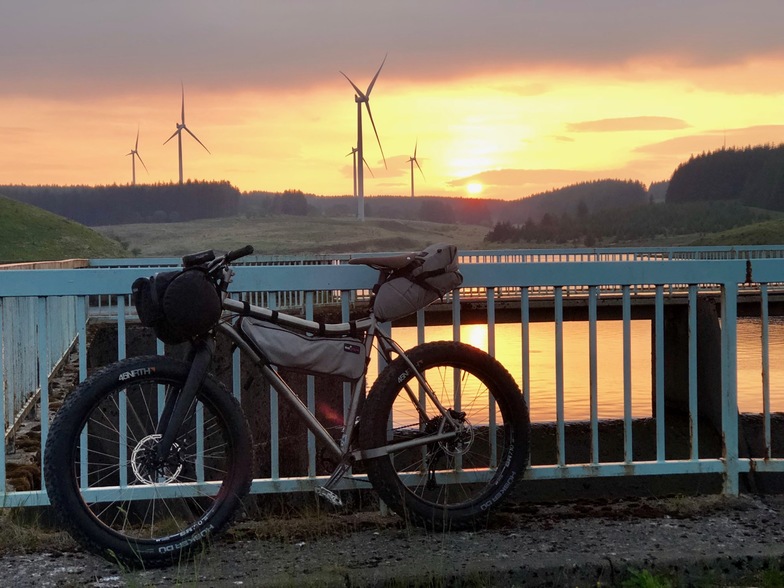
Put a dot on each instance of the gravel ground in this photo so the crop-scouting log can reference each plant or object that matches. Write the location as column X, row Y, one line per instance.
column 706, row 541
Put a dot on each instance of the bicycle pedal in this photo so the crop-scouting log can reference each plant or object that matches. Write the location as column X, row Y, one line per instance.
column 329, row 495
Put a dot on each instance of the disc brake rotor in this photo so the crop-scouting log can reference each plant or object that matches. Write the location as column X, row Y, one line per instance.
column 146, row 466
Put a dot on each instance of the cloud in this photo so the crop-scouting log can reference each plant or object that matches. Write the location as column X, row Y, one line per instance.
column 100, row 47
column 710, row 141
column 632, row 123
column 528, row 177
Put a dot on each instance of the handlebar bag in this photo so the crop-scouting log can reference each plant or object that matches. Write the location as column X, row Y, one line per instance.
column 178, row 305
column 433, row 274
column 340, row 356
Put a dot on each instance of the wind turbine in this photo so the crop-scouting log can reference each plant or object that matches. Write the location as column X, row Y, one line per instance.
column 364, row 98
column 180, row 127
column 412, row 160
column 354, row 153
column 134, row 153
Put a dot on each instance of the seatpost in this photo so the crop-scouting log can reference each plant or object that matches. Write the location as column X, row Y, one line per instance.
column 178, row 404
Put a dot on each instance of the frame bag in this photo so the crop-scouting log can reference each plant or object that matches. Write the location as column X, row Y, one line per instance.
column 178, row 305
column 433, row 275
column 340, row 356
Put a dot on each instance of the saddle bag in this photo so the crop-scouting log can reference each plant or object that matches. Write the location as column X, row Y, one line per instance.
column 434, row 273
column 178, row 305
column 342, row 356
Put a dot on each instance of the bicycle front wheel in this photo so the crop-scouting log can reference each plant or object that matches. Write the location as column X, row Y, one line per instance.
column 111, row 490
column 451, row 482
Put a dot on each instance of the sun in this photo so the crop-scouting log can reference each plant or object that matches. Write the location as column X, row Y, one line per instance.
column 474, row 188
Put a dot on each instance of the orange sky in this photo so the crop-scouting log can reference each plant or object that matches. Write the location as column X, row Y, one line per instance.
column 516, row 97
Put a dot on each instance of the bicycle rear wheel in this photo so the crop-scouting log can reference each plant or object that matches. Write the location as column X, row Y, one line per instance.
column 106, row 483
column 449, row 483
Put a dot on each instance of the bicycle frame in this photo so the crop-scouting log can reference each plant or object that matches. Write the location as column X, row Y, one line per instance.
column 345, row 451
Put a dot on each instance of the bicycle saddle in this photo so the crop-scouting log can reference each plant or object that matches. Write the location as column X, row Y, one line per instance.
column 391, row 262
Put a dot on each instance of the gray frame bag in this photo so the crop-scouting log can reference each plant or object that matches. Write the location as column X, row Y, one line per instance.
column 433, row 274
column 343, row 357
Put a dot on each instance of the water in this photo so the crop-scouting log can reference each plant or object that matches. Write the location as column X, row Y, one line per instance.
column 610, row 374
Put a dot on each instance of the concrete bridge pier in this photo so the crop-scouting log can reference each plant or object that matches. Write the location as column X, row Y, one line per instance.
column 708, row 376
column 676, row 362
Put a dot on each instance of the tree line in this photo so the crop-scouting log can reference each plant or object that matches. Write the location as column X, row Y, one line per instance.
column 149, row 203
column 753, row 176
column 628, row 223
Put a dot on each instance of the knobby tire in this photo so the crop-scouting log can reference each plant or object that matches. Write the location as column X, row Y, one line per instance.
column 448, row 484
column 116, row 412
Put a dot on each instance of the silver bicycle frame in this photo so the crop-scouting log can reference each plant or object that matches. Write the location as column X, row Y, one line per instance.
column 386, row 346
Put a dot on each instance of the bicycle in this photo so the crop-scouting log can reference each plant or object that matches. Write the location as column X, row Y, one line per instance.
column 149, row 458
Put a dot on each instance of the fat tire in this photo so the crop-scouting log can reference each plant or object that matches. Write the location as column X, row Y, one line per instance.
column 61, row 473
column 413, row 504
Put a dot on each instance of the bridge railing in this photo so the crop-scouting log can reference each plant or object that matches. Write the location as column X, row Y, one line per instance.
column 22, row 339
column 30, row 296
column 287, row 299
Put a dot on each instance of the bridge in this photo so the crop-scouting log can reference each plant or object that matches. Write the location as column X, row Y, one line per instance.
column 692, row 297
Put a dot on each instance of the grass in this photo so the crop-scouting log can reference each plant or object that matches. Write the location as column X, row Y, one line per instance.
column 765, row 233
column 28, row 233
column 294, row 235
column 645, row 579
column 24, row 531
column 771, row 578
column 286, row 235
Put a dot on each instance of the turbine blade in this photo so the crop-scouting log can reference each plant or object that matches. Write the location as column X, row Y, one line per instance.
column 142, row 162
column 415, row 148
column 420, row 169
column 370, row 114
column 197, row 139
column 373, row 81
column 174, row 134
column 353, row 85
column 368, row 167
column 137, row 139
column 182, row 87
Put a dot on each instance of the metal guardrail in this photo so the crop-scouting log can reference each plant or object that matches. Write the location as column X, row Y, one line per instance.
column 55, row 301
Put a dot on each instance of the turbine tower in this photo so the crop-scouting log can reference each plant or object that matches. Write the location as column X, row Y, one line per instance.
column 181, row 127
column 412, row 160
column 364, row 98
column 354, row 153
column 134, row 153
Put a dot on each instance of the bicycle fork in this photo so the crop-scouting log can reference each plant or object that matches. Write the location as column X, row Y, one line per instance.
column 178, row 403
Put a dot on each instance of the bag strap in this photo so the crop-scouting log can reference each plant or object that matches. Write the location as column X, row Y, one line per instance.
column 156, row 302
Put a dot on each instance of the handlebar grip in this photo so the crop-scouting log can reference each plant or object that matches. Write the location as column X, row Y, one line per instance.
column 237, row 253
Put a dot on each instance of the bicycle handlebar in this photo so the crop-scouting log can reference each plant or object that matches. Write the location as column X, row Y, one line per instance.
column 203, row 257
column 237, row 253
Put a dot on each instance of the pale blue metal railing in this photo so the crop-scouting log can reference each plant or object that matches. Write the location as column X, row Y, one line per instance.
column 31, row 298
column 22, row 339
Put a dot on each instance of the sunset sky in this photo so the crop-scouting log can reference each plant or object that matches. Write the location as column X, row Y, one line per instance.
column 513, row 97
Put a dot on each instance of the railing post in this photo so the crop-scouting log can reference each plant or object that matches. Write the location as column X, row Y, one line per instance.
column 4, row 389
column 729, row 387
column 43, row 375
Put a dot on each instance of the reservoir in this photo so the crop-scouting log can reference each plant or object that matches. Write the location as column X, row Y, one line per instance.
column 610, row 376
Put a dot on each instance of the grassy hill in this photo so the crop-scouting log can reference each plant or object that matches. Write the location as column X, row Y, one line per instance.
column 281, row 235
column 769, row 232
column 28, row 233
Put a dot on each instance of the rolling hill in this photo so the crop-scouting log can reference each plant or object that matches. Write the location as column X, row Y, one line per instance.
column 28, row 233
